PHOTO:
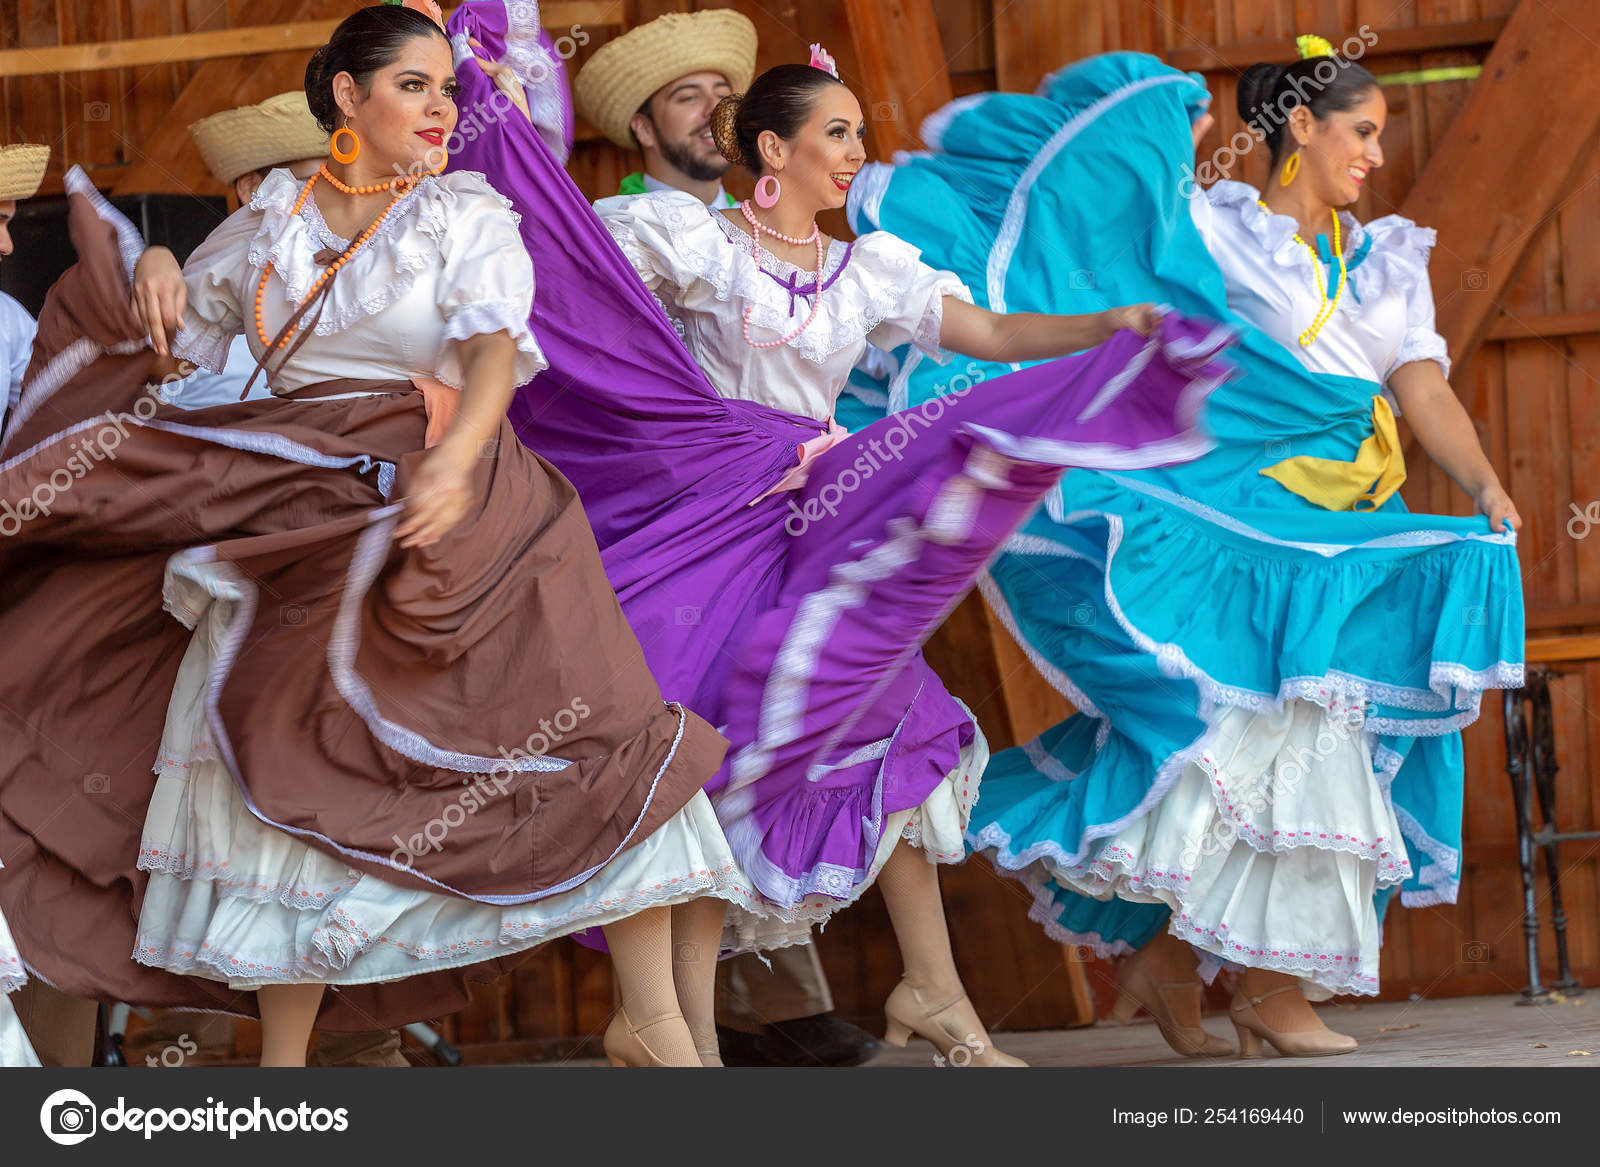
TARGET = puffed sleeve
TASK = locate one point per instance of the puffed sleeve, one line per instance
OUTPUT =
(905, 297)
(486, 286)
(220, 289)
(669, 238)
(1421, 342)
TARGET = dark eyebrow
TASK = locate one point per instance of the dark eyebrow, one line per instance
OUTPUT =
(418, 73)
(845, 122)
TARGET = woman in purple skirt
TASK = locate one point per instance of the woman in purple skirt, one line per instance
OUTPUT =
(780, 573)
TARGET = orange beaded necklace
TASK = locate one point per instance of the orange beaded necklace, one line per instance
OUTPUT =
(400, 186)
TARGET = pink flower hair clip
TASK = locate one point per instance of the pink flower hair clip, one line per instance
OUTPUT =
(822, 59)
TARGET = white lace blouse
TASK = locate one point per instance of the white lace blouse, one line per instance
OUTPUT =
(700, 267)
(446, 265)
(1385, 316)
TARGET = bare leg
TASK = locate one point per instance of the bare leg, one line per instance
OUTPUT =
(930, 1000)
(696, 940)
(649, 1029)
(288, 1014)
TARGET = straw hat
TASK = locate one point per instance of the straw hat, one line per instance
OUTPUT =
(21, 171)
(280, 129)
(624, 72)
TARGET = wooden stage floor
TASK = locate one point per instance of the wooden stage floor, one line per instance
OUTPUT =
(1458, 1031)
(1455, 1031)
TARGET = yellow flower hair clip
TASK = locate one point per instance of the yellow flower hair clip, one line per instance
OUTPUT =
(1312, 46)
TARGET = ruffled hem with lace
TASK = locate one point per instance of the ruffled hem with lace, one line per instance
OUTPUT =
(1250, 844)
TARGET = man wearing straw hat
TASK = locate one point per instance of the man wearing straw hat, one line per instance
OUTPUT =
(21, 172)
(652, 90)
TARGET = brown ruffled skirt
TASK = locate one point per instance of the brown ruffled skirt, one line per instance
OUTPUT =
(356, 694)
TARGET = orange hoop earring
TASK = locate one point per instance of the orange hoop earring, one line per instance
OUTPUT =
(345, 156)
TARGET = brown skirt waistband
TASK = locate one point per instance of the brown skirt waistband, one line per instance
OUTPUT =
(345, 385)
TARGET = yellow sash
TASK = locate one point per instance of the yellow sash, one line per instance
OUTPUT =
(1376, 473)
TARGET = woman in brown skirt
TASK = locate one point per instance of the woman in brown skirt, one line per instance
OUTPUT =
(322, 704)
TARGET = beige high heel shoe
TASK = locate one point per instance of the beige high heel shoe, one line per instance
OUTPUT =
(624, 1047)
(1312, 1043)
(1167, 1002)
(906, 1014)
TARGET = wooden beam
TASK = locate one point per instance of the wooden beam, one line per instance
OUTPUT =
(1425, 38)
(1544, 324)
(903, 66)
(243, 42)
(1562, 616)
(1554, 649)
(1493, 182)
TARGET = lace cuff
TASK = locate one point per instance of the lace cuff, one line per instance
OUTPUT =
(1422, 344)
(487, 317)
(931, 326)
(635, 252)
(206, 347)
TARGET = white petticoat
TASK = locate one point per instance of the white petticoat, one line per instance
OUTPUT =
(1269, 848)
(233, 899)
(15, 1049)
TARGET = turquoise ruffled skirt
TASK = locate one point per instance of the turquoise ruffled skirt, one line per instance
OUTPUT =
(1220, 634)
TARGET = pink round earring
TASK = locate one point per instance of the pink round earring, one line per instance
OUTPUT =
(767, 196)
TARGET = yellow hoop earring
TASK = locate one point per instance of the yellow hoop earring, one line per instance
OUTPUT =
(1290, 169)
(340, 154)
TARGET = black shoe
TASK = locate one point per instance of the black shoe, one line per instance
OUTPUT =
(819, 1040)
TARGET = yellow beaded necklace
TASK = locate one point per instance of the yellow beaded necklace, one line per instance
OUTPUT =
(1327, 305)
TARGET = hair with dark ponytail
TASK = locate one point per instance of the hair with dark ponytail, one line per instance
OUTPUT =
(367, 40)
(1325, 85)
(780, 100)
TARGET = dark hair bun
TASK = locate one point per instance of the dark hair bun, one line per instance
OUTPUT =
(1256, 86)
(319, 91)
(725, 128)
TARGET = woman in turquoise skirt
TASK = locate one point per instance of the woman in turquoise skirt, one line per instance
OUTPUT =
(1272, 657)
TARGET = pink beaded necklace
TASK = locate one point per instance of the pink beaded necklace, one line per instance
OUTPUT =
(755, 253)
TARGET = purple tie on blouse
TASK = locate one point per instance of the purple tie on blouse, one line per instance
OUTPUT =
(791, 285)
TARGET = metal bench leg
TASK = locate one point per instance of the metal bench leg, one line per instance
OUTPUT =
(1543, 736)
(1517, 765)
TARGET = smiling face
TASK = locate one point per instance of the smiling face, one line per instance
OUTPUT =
(1340, 150)
(406, 112)
(678, 125)
(820, 162)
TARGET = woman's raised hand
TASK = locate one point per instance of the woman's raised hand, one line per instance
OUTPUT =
(159, 296)
(504, 77)
(1141, 318)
